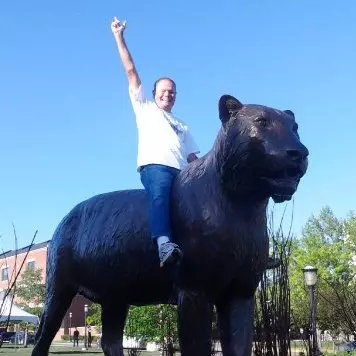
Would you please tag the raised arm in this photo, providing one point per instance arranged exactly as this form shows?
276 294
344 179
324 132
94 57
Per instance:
117 29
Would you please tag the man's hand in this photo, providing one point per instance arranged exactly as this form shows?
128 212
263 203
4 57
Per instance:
117 27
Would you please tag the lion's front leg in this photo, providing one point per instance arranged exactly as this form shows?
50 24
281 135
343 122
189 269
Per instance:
194 324
235 322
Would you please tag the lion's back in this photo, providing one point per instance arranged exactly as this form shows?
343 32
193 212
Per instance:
104 225
99 244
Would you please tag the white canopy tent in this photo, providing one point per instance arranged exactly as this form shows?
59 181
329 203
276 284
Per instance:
16 313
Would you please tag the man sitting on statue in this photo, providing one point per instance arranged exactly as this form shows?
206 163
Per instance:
165 146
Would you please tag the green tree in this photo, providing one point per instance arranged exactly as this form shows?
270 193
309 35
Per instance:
323 245
153 322
31 291
350 231
94 315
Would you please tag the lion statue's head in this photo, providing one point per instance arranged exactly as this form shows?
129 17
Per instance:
258 151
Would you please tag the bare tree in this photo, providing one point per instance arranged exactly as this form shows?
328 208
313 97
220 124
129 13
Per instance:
8 294
272 299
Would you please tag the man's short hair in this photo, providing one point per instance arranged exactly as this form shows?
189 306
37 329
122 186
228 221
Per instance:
158 80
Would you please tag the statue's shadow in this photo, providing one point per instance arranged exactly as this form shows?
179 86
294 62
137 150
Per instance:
75 352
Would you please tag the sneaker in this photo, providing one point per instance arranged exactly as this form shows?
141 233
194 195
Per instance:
169 252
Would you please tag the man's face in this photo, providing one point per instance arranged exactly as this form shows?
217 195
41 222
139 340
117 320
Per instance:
165 95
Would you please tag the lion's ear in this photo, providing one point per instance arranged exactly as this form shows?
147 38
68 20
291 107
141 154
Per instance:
289 112
228 107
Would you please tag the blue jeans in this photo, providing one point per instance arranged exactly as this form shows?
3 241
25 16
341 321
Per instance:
157 180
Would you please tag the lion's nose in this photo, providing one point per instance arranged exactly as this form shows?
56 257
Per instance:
298 154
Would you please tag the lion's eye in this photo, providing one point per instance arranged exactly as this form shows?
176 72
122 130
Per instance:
295 127
262 121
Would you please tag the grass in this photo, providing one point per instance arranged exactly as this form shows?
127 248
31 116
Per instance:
7 350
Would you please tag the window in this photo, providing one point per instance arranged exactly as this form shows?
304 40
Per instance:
31 265
5 274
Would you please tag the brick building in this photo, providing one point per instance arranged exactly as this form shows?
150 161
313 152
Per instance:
35 257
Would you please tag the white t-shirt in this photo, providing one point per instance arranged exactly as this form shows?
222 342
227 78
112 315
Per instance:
158 141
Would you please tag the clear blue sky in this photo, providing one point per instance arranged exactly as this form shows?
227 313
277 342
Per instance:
67 127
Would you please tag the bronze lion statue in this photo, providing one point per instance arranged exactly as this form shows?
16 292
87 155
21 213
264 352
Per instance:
102 249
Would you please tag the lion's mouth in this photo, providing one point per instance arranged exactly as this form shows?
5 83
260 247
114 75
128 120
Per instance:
287 173
280 198
283 183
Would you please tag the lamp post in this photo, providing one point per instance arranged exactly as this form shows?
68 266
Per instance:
85 326
70 326
310 278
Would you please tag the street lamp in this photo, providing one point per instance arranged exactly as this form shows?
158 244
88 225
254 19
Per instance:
310 278
85 326
70 326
